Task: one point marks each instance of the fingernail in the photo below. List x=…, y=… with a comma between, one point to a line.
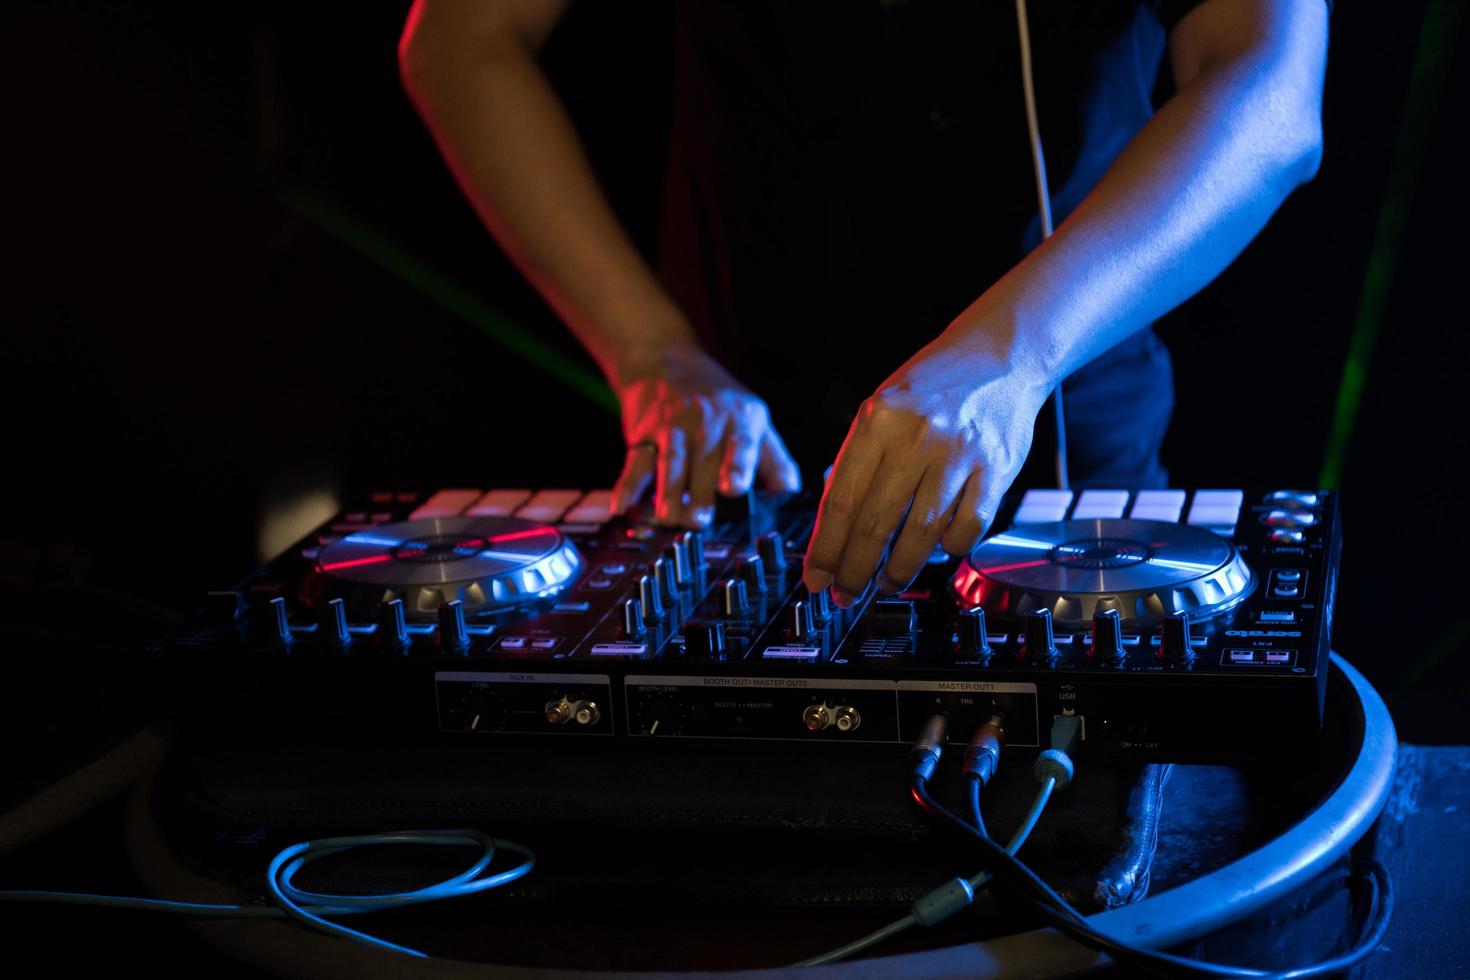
x=816, y=580
x=842, y=597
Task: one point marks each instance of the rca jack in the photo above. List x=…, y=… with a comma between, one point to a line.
x=563, y=710
x=821, y=716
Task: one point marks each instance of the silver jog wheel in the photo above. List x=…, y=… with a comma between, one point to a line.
x=1146, y=570
x=487, y=563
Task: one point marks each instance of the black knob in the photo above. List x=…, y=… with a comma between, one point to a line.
x=820, y=603
x=633, y=618
x=695, y=541
x=392, y=627
x=453, y=637
x=224, y=608
x=772, y=549
x=736, y=598
x=649, y=600
x=1107, y=635
x=668, y=588
x=1040, y=644
x=278, y=626
x=801, y=620
x=752, y=571
x=893, y=617
x=677, y=555
x=974, y=643
x=704, y=639
x=334, y=626
x=1174, y=642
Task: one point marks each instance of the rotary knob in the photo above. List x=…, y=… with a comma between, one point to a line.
x=974, y=644
x=1107, y=636
x=772, y=549
x=650, y=603
x=1041, y=644
x=695, y=542
x=752, y=571
x=335, y=634
x=633, y=624
x=801, y=620
x=453, y=636
x=704, y=639
x=392, y=627
x=278, y=626
x=736, y=598
x=1174, y=642
x=820, y=603
x=663, y=576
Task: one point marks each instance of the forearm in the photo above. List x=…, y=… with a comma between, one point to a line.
x=511, y=146
x=1177, y=206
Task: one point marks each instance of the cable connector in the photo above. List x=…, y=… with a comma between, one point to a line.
x=1056, y=762
x=929, y=746
x=982, y=755
x=942, y=902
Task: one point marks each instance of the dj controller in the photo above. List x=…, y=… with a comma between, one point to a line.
x=1177, y=625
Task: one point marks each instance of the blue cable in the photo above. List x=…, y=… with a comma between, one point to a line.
x=308, y=907
x=943, y=901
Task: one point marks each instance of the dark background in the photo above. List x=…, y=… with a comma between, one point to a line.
x=218, y=214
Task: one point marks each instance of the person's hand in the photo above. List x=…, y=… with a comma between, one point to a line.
x=926, y=460
x=692, y=429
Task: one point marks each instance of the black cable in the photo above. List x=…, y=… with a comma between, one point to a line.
x=1060, y=914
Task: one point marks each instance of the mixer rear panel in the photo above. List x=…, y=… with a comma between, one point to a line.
x=495, y=615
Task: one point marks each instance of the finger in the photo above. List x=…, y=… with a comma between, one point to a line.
x=877, y=521
x=673, y=474
x=704, y=471
x=857, y=462
x=778, y=469
x=742, y=451
x=970, y=519
x=930, y=513
x=637, y=474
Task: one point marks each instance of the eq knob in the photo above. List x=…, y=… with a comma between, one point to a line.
x=973, y=643
x=801, y=620
x=633, y=624
x=650, y=603
x=772, y=549
x=704, y=639
x=1107, y=636
x=278, y=626
x=663, y=576
x=695, y=541
x=1041, y=644
x=752, y=571
x=453, y=636
x=736, y=598
x=335, y=634
x=820, y=603
x=392, y=627
x=677, y=555
x=1174, y=642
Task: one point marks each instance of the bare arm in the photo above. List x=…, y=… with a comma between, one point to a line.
x=943, y=438
x=470, y=67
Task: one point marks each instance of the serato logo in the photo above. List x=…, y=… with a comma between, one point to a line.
x=1263, y=632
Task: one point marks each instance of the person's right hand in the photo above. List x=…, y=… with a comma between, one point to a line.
x=691, y=430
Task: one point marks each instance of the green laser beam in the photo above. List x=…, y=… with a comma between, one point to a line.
x=409, y=269
x=1432, y=58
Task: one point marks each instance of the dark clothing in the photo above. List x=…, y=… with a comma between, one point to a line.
x=846, y=177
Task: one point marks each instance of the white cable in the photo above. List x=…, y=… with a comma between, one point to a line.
x=1043, y=200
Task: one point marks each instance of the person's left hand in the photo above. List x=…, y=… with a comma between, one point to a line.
x=927, y=459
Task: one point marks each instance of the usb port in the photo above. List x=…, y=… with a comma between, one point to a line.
x=1277, y=616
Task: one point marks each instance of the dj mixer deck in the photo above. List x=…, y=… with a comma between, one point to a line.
x=1178, y=625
